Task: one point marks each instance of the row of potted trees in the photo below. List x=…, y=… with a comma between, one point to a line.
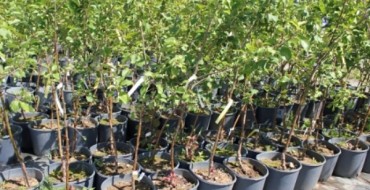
x=106, y=89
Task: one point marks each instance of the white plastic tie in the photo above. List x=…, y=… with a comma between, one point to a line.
x=136, y=85
x=192, y=78
x=59, y=105
x=223, y=113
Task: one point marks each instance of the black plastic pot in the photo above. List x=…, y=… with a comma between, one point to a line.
x=7, y=153
x=250, y=119
x=163, y=145
x=185, y=174
x=85, y=137
x=266, y=115
x=366, y=167
x=185, y=164
x=68, y=97
x=79, y=166
x=18, y=173
x=100, y=178
x=228, y=120
x=171, y=123
x=121, y=146
x=206, y=185
x=279, y=179
x=133, y=124
x=246, y=183
x=162, y=155
x=43, y=140
x=63, y=187
x=221, y=158
x=310, y=173
x=331, y=161
x=26, y=137
x=350, y=162
x=119, y=130
x=126, y=178
x=199, y=122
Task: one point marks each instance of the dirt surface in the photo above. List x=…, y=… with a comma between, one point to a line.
x=106, y=122
x=276, y=163
x=108, y=169
x=217, y=175
x=57, y=176
x=322, y=149
x=18, y=183
x=166, y=181
x=259, y=147
x=303, y=157
x=106, y=151
x=245, y=169
x=76, y=157
x=48, y=126
x=155, y=165
x=85, y=123
x=348, y=146
x=127, y=186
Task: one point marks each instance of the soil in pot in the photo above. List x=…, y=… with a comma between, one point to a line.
x=106, y=122
x=109, y=168
x=85, y=122
x=29, y=118
x=301, y=156
x=56, y=176
x=155, y=164
x=18, y=183
x=349, y=145
x=277, y=137
x=277, y=164
x=198, y=155
x=76, y=156
x=321, y=149
x=218, y=175
x=168, y=180
x=123, y=185
x=259, y=146
x=47, y=126
x=244, y=168
x=107, y=150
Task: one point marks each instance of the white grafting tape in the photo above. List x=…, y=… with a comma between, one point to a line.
x=223, y=113
x=136, y=85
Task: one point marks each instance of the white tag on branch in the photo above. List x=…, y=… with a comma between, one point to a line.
x=136, y=85
x=135, y=175
x=223, y=113
x=141, y=176
x=148, y=134
x=59, y=105
x=60, y=85
x=192, y=78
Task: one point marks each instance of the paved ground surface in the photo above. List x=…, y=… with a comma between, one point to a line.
x=362, y=182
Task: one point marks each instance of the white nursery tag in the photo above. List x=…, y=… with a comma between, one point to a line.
x=141, y=176
x=223, y=113
x=136, y=85
x=135, y=174
x=60, y=85
x=59, y=105
x=193, y=77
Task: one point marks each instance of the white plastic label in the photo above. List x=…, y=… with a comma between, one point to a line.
x=148, y=134
x=135, y=174
x=193, y=77
x=59, y=105
x=136, y=85
x=60, y=85
x=223, y=113
x=141, y=176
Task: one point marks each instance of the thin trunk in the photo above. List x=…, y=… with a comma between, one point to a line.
x=242, y=135
x=214, y=148
x=14, y=144
x=112, y=140
x=137, y=144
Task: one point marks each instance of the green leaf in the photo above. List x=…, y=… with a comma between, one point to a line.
x=322, y=6
x=285, y=52
x=124, y=98
x=305, y=45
